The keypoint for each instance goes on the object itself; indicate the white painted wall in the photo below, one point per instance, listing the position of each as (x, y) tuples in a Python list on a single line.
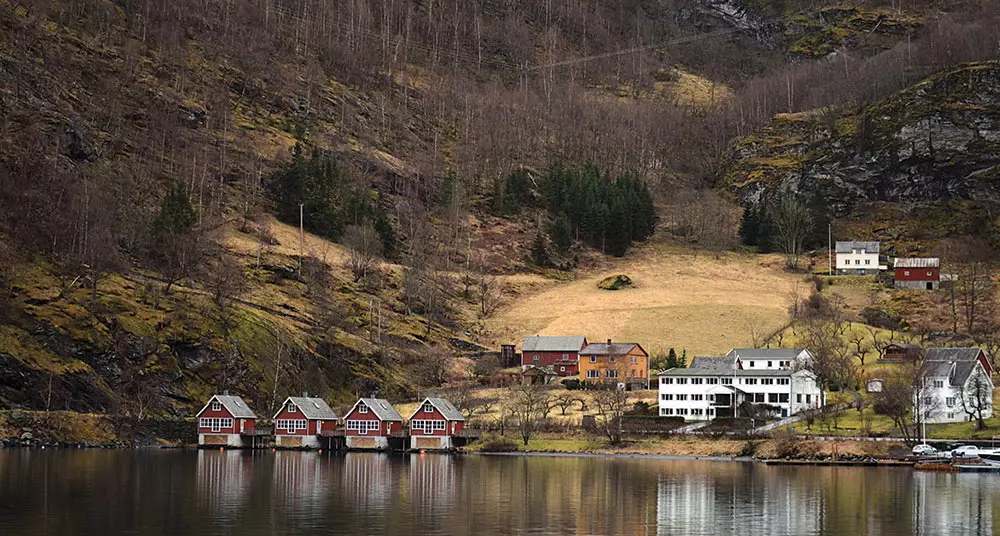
[(689, 397), (858, 260)]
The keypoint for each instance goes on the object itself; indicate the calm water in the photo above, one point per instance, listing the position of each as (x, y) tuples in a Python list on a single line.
[(242, 493)]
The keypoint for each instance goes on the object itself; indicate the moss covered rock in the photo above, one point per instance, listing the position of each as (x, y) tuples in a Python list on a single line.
[(615, 282)]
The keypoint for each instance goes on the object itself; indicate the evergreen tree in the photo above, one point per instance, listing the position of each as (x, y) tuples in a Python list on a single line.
[(314, 183), (671, 358), (683, 361), (539, 253), (386, 235), (177, 215), (561, 235), (750, 227)]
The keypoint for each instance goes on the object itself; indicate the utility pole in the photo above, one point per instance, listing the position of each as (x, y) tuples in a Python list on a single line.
[(302, 237), (829, 247)]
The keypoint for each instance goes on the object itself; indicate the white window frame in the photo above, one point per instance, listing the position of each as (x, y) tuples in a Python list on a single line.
[(291, 408), (593, 374), (216, 405), (428, 408), (362, 408)]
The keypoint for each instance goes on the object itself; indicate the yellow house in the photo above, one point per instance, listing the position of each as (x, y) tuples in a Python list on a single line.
[(622, 362)]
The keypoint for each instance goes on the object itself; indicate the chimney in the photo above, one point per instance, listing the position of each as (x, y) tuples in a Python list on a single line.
[(225, 393), (609, 343), (305, 394)]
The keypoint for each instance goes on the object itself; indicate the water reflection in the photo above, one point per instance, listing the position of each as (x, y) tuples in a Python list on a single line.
[(265, 493)]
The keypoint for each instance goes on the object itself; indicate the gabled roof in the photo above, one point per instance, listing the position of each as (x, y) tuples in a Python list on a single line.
[(850, 245), (765, 353), (447, 409), (615, 348), (546, 343), (918, 262), (380, 407), (720, 362), (234, 405), (952, 354), (311, 408)]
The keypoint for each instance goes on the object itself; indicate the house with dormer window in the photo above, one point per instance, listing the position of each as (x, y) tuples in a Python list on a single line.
[(370, 423), (302, 420)]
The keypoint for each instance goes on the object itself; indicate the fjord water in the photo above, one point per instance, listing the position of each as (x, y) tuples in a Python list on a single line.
[(154, 492)]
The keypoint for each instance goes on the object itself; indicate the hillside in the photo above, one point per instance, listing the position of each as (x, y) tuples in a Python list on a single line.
[(680, 299), (934, 145)]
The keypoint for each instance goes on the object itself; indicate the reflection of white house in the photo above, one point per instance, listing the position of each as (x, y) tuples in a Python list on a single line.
[(770, 379), (855, 257), (956, 381)]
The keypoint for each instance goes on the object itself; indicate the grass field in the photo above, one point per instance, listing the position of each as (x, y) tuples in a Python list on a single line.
[(699, 303)]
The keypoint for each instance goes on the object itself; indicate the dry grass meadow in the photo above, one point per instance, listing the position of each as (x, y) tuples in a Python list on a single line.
[(700, 303)]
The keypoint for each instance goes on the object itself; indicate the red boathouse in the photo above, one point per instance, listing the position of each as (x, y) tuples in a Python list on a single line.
[(224, 421), (301, 420), (370, 423), (434, 423)]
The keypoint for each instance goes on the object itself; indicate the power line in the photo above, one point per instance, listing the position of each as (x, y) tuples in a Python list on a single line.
[(612, 54)]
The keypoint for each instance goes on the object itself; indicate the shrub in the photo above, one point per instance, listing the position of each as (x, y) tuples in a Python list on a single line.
[(498, 444)]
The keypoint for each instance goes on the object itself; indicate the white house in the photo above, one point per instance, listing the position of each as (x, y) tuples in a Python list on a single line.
[(855, 257), (769, 358), (716, 386), (956, 382)]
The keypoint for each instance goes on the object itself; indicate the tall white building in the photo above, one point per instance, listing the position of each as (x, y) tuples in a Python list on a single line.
[(956, 381), (771, 379), (854, 257)]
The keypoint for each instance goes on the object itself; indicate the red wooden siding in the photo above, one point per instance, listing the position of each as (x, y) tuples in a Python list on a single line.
[(918, 274), (223, 413), (435, 415), (311, 424), (383, 429), (571, 362)]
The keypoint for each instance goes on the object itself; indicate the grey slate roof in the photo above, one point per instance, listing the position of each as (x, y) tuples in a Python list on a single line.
[(381, 408), (765, 353), (729, 373), (311, 408), (952, 354), (446, 408), (917, 262), (546, 343), (234, 405), (602, 348), (850, 245), (957, 364), (720, 362)]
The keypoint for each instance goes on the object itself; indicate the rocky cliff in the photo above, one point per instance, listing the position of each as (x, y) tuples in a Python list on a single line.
[(936, 142)]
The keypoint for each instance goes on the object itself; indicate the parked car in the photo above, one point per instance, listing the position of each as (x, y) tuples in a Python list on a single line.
[(965, 451), (924, 449)]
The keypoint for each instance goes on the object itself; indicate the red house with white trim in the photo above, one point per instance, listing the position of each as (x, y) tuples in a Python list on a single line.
[(562, 353), (433, 424), (921, 273), (224, 421), (370, 423), (301, 420)]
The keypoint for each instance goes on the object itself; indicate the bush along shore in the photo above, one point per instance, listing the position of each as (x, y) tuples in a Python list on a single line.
[(71, 429)]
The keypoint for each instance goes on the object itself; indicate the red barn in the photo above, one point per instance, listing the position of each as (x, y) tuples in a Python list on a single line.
[(923, 273), (433, 424), (224, 421), (301, 420), (562, 353), (370, 423)]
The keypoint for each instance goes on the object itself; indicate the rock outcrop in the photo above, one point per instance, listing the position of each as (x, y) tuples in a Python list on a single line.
[(935, 141)]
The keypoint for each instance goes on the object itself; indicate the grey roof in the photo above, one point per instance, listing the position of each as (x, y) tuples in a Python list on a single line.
[(851, 245), (381, 408), (720, 362), (447, 409), (765, 353), (952, 354), (602, 348), (546, 343), (917, 262), (728, 373), (311, 408), (234, 405)]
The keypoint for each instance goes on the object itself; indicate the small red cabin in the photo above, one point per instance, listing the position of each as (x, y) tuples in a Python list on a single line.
[(433, 424), (301, 419), (224, 420), (370, 422), (562, 353), (921, 273)]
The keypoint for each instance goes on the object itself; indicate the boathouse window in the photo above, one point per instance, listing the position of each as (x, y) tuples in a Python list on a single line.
[(362, 409), (216, 405), (363, 426), (428, 408), (291, 407), (291, 425), (215, 423)]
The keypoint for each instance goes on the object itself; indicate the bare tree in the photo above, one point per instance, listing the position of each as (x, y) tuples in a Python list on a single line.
[(492, 294), (902, 388), (611, 402), (977, 396), (792, 223), (755, 329), (564, 402), (527, 405), (365, 249)]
